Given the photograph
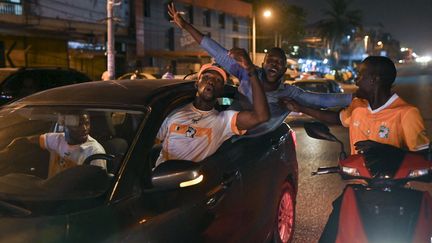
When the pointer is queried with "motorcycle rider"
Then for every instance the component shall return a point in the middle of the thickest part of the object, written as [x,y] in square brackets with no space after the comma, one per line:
[381,124]
[376,115]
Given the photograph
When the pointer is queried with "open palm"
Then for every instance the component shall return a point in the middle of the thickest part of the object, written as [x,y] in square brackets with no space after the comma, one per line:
[175,15]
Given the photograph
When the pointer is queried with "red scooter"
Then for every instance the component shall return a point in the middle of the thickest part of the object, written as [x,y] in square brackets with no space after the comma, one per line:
[376,205]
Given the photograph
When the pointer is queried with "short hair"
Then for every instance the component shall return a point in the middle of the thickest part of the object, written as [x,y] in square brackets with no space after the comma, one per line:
[382,67]
[278,51]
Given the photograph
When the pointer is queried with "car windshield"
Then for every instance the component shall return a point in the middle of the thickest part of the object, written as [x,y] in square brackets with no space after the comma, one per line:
[60,153]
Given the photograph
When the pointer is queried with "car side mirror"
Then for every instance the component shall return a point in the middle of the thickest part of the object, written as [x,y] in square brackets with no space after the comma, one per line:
[319,130]
[173,174]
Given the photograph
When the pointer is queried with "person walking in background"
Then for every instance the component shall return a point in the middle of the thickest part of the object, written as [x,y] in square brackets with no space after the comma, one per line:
[168,72]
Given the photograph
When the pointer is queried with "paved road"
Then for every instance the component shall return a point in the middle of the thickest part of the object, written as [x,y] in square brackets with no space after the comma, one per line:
[316,193]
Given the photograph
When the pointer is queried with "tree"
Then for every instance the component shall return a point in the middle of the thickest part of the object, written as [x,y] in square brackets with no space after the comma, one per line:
[339,22]
[287,21]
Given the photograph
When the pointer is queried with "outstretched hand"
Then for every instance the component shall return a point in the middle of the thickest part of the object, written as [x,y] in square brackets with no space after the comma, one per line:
[176,16]
[242,58]
[290,104]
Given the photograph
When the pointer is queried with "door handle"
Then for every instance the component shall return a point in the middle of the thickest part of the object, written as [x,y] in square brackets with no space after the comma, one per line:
[218,192]
[229,178]
[275,143]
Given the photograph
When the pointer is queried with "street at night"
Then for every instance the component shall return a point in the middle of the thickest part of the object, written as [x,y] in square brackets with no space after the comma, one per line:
[190,121]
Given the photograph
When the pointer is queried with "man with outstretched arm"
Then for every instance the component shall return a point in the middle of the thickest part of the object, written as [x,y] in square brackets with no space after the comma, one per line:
[271,75]
[381,125]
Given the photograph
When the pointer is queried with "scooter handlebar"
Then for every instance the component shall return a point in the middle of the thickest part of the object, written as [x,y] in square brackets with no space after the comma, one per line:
[326,170]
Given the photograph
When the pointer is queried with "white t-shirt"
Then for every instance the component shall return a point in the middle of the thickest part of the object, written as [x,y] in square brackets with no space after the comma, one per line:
[191,134]
[65,155]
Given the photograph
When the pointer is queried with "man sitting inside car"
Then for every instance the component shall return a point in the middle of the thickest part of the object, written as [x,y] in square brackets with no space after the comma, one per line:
[195,131]
[69,148]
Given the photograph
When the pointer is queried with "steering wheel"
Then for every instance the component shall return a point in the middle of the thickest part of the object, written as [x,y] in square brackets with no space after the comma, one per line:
[92,157]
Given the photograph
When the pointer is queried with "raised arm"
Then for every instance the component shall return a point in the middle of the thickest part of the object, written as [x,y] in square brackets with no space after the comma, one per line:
[316,100]
[325,116]
[219,53]
[260,111]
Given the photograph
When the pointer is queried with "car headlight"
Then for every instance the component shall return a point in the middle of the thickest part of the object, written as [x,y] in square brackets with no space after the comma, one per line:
[350,171]
[418,173]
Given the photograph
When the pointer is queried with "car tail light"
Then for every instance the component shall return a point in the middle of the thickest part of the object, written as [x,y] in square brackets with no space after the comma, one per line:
[294,138]
[418,173]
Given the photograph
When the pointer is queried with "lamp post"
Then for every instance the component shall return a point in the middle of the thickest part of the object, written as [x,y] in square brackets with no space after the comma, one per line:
[366,40]
[266,14]
[111,38]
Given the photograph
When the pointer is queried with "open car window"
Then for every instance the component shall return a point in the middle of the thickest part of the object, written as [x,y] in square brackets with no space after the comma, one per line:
[26,165]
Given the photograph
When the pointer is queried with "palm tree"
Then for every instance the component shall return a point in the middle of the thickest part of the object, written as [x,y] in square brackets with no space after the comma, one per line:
[339,22]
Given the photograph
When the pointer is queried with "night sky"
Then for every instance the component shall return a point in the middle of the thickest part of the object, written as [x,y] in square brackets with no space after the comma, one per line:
[409,21]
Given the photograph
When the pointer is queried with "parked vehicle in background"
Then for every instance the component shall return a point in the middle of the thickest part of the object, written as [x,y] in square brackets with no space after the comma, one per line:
[136,75]
[318,85]
[244,192]
[16,83]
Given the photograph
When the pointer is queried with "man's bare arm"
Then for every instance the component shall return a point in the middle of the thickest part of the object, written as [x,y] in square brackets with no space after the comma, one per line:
[182,24]
[325,116]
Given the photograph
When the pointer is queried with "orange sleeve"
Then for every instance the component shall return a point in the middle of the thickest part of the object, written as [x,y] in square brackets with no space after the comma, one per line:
[346,113]
[414,130]
[234,127]
[42,142]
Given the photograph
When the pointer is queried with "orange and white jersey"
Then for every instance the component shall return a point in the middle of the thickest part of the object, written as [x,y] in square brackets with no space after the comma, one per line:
[65,156]
[191,134]
[396,123]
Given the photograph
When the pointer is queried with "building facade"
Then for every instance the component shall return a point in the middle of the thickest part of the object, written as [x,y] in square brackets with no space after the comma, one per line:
[72,34]
[59,33]
[159,42]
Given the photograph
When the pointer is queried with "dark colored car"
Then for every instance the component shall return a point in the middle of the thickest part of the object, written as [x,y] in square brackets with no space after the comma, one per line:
[319,85]
[245,192]
[16,83]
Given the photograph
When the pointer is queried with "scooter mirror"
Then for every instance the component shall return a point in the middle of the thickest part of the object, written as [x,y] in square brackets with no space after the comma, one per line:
[319,130]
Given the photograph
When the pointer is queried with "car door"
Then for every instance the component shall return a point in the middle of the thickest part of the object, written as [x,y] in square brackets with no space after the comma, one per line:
[265,163]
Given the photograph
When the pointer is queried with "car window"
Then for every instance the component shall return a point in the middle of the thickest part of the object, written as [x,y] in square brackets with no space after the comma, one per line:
[26,167]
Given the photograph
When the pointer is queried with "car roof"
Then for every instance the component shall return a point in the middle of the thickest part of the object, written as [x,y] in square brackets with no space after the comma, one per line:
[119,93]
[37,68]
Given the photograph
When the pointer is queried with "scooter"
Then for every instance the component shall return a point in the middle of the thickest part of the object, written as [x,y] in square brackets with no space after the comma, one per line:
[376,204]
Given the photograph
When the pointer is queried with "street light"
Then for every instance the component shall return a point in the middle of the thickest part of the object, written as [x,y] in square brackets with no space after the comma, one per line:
[267,13]
[366,40]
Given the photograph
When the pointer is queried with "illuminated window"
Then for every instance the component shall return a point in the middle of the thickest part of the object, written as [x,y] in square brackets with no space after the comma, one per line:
[11,7]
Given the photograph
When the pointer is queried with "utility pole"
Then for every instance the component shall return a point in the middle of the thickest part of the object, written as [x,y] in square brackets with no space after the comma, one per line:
[111,39]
